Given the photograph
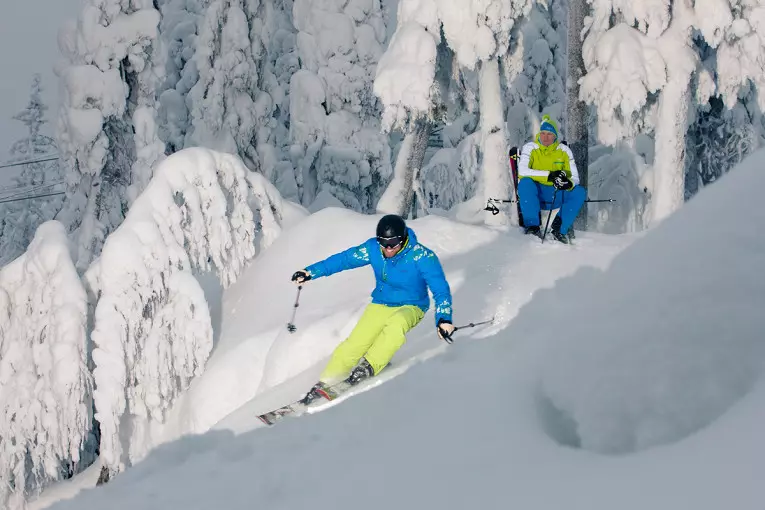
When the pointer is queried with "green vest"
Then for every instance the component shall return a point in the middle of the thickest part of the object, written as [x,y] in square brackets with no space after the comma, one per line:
[548,158]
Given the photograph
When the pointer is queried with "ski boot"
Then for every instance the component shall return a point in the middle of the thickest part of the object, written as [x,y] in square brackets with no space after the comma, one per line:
[319,390]
[561,238]
[565,239]
[362,371]
[533,230]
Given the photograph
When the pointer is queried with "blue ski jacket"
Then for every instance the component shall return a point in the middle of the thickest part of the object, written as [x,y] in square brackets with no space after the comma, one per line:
[401,280]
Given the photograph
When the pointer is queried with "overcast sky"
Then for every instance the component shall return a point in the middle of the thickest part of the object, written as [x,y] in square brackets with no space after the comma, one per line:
[28,45]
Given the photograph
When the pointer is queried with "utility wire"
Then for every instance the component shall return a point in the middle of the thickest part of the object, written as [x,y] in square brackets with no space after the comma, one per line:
[29,162]
[20,190]
[30,198]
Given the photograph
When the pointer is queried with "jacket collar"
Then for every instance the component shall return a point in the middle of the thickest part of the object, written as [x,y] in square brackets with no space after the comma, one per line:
[549,148]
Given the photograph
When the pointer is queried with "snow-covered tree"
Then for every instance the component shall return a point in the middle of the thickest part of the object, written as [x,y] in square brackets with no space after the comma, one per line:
[737,29]
[107,134]
[533,69]
[228,107]
[20,219]
[45,390]
[405,83]
[277,66]
[645,74]
[479,32]
[152,331]
[718,141]
[337,145]
[178,30]
[451,173]
[730,125]
[229,67]
[400,193]
[35,144]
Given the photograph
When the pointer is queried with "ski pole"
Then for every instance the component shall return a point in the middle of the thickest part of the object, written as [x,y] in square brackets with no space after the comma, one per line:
[473,324]
[291,324]
[493,209]
[549,215]
[448,338]
[588,201]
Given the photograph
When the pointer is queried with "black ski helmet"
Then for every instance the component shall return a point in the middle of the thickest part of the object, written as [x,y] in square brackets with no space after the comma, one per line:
[391,226]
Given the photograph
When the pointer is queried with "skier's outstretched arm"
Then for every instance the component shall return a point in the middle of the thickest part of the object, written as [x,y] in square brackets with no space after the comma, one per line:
[351,258]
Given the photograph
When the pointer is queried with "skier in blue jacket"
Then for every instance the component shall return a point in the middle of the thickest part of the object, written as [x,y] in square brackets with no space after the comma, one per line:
[404,270]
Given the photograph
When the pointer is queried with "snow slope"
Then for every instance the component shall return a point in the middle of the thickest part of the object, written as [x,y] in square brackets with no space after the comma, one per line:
[633,385]
[257,358]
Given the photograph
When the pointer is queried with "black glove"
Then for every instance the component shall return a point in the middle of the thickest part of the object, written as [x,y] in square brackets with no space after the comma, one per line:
[445,330]
[301,276]
[560,180]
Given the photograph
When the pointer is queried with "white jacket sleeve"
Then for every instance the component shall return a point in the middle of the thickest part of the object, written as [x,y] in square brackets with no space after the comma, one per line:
[523,163]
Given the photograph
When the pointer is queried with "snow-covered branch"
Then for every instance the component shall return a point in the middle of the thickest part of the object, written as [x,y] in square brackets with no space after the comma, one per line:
[404,81]
[624,67]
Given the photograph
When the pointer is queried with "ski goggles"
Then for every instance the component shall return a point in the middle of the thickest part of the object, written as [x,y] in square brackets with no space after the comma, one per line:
[390,242]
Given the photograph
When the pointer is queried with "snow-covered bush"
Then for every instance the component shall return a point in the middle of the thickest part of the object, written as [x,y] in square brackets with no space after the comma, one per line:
[45,390]
[152,331]
[617,173]
[450,176]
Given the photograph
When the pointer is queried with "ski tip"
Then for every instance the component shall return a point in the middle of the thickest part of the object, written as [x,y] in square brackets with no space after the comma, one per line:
[265,420]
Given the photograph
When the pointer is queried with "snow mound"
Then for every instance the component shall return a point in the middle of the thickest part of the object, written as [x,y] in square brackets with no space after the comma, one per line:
[673,333]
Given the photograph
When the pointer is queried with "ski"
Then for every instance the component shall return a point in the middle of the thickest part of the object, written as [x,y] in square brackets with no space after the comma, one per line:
[328,394]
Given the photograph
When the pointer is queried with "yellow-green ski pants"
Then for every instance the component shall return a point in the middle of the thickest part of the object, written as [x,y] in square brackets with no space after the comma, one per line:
[380,332]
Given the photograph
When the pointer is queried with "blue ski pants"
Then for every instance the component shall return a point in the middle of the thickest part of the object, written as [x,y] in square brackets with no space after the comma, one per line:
[534,196]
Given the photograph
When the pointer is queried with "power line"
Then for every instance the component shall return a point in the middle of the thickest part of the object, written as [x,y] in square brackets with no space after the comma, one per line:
[30,198]
[29,162]
[15,192]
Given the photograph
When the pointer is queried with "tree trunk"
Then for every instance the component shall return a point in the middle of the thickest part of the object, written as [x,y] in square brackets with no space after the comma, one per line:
[668,193]
[399,195]
[495,165]
[576,110]
[669,164]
